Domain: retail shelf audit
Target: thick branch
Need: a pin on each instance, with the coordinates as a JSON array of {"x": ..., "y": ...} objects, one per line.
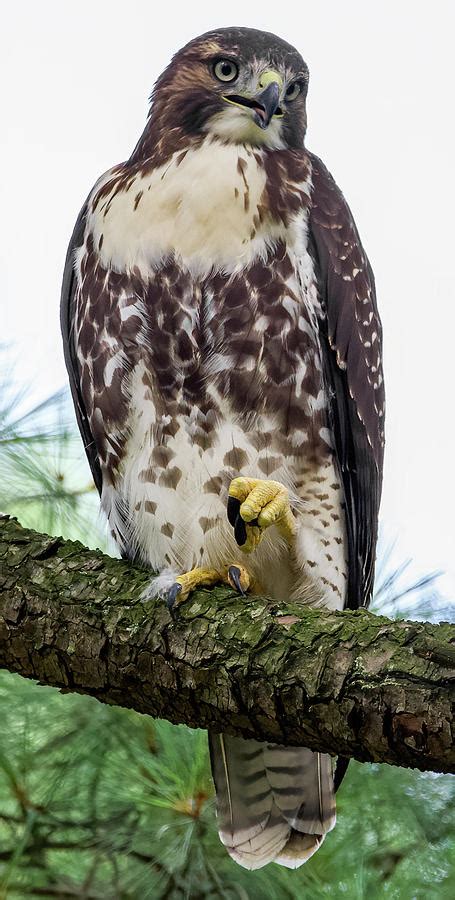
[{"x": 350, "y": 683}]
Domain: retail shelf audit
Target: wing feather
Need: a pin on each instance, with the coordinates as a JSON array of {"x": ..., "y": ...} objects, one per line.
[
  {"x": 67, "y": 320},
  {"x": 351, "y": 336},
  {"x": 351, "y": 339}
]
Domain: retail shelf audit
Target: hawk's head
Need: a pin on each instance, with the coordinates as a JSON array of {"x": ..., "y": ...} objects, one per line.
[{"x": 239, "y": 84}]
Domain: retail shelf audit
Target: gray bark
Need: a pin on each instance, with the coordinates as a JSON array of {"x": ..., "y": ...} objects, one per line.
[{"x": 349, "y": 683}]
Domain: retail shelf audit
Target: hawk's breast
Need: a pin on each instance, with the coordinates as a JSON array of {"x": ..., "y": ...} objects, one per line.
[
  {"x": 213, "y": 364},
  {"x": 207, "y": 207}
]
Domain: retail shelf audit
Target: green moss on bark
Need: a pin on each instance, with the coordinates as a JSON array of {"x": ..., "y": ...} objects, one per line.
[{"x": 348, "y": 683}]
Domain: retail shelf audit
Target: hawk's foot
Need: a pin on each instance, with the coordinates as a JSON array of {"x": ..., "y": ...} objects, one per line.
[
  {"x": 236, "y": 576},
  {"x": 255, "y": 504}
]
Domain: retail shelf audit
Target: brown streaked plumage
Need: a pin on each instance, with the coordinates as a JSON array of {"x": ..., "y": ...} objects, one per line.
[{"x": 222, "y": 338}]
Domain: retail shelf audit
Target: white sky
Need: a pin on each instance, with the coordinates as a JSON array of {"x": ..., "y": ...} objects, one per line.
[{"x": 75, "y": 80}]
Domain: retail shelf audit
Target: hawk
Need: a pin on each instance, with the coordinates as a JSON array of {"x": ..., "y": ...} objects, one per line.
[{"x": 223, "y": 346}]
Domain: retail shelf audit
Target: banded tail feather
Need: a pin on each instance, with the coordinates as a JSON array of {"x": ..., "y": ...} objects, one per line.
[{"x": 274, "y": 803}]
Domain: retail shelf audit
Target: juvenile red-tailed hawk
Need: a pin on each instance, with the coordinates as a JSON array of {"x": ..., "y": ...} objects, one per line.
[{"x": 224, "y": 351}]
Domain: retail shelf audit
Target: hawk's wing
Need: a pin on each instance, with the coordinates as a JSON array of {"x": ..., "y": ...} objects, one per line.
[
  {"x": 67, "y": 319},
  {"x": 352, "y": 346}
]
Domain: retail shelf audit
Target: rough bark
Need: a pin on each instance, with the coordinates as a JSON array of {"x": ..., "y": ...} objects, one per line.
[{"x": 347, "y": 683}]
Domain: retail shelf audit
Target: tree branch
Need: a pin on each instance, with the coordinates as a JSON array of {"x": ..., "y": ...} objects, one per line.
[{"x": 347, "y": 683}]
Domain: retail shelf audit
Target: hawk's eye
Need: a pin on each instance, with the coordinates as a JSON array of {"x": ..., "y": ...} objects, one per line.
[
  {"x": 293, "y": 90},
  {"x": 225, "y": 70}
]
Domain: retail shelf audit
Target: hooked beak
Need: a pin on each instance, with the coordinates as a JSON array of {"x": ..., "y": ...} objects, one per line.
[{"x": 264, "y": 105}]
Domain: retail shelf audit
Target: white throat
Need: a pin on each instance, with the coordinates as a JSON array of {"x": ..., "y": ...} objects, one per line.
[{"x": 206, "y": 207}]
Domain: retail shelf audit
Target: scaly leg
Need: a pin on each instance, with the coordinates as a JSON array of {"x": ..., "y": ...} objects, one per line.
[
  {"x": 254, "y": 505},
  {"x": 236, "y": 576}
]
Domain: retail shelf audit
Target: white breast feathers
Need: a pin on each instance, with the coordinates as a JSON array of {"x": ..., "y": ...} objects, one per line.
[{"x": 205, "y": 205}]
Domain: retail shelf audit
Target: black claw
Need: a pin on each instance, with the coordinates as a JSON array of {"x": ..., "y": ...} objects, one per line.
[
  {"x": 235, "y": 519},
  {"x": 240, "y": 531},
  {"x": 233, "y": 506},
  {"x": 234, "y": 576},
  {"x": 172, "y": 595}
]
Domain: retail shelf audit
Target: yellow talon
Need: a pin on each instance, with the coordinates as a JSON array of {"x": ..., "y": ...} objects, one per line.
[
  {"x": 189, "y": 581},
  {"x": 235, "y": 575},
  {"x": 259, "y": 505}
]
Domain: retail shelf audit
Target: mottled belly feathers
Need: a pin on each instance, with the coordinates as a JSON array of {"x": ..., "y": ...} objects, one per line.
[{"x": 196, "y": 375}]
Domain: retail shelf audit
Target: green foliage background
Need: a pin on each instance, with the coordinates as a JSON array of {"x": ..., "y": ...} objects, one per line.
[{"x": 100, "y": 802}]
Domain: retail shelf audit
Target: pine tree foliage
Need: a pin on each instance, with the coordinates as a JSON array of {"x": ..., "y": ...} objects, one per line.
[
  {"x": 100, "y": 802},
  {"x": 44, "y": 478}
]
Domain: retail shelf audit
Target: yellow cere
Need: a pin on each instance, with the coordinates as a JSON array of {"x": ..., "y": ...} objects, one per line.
[{"x": 269, "y": 77}]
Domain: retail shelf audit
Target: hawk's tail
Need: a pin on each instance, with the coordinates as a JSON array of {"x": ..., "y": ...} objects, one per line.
[{"x": 274, "y": 803}]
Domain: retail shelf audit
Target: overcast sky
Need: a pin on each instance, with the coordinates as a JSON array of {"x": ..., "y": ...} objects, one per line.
[{"x": 75, "y": 82}]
